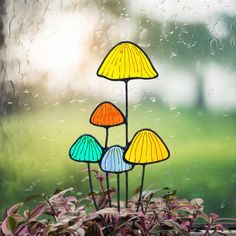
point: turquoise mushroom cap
(86, 149)
(112, 161)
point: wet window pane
(50, 52)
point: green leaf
(173, 224)
(14, 209)
(137, 190)
(160, 228)
(83, 202)
(11, 224)
(169, 195)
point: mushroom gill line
(115, 67)
(136, 62)
(108, 61)
(113, 64)
(74, 149)
(143, 63)
(151, 147)
(162, 156)
(135, 147)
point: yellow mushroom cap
(146, 147)
(126, 61)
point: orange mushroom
(107, 115)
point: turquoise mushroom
(112, 162)
(87, 149)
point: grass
(35, 143)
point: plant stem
(107, 175)
(118, 192)
(51, 207)
(91, 187)
(141, 188)
(127, 140)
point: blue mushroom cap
(112, 161)
(86, 149)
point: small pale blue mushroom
(112, 161)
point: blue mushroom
(112, 161)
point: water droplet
(232, 43)
(222, 204)
(83, 110)
(56, 104)
(213, 46)
(187, 178)
(85, 179)
(153, 99)
(143, 34)
(173, 54)
(212, 92)
(233, 178)
(177, 114)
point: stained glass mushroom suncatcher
(145, 148)
(112, 162)
(87, 149)
(107, 115)
(124, 62)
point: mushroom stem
(108, 189)
(127, 140)
(126, 111)
(91, 186)
(107, 175)
(126, 190)
(118, 192)
(141, 188)
(106, 139)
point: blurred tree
(190, 45)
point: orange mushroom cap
(107, 114)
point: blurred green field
(34, 148)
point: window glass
(50, 53)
